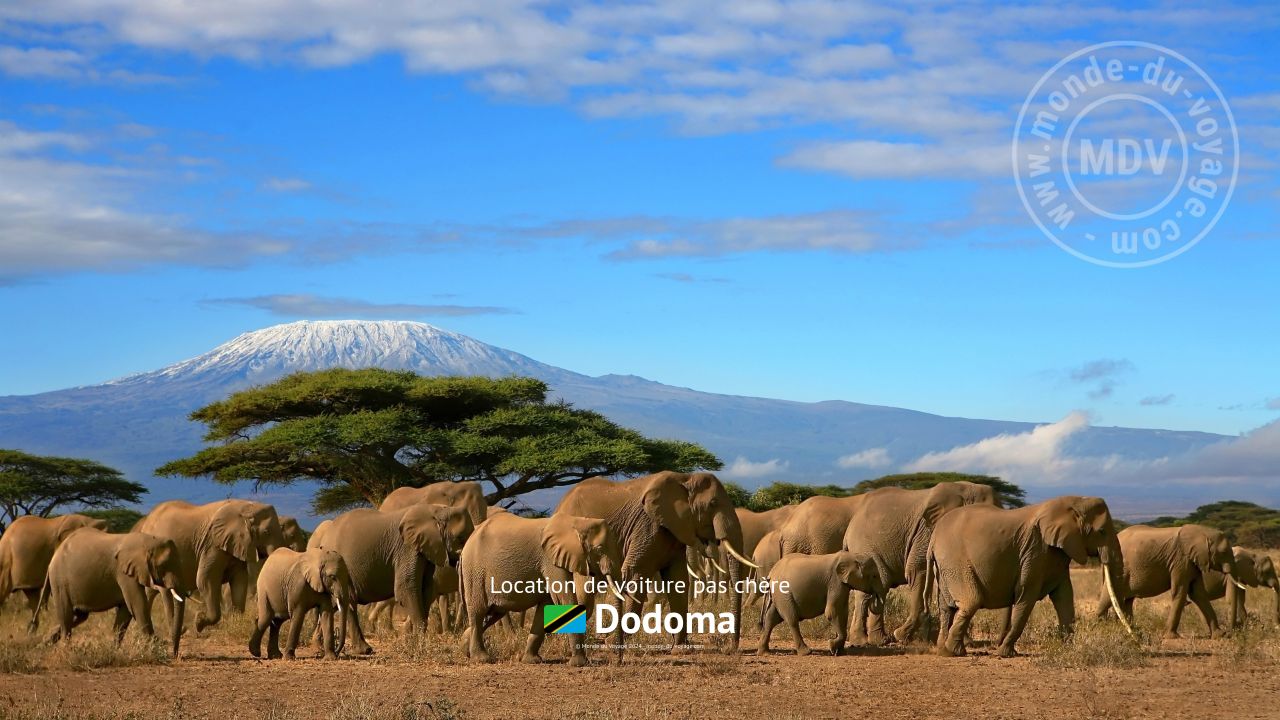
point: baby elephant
(93, 571)
(817, 585)
(290, 584)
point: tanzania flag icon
(564, 618)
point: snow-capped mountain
(139, 422)
(265, 355)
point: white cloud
(875, 159)
(746, 469)
(315, 306)
(286, 185)
(1035, 457)
(872, 458)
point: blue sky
(805, 201)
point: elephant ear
(312, 566)
(1060, 527)
(228, 530)
(1198, 548)
(423, 527)
(942, 499)
(133, 558)
(666, 500)
(850, 570)
(564, 541)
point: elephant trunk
(175, 632)
(729, 532)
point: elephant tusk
(1237, 582)
(1115, 601)
(693, 572)
(717, 566)
(635, 599)
(738, 555)
(175, 595)
(616, 592)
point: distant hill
(138, 422)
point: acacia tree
(39, 485)
(363, 433)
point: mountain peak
(264, 355)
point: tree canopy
(1245, 523)
(363, 433)
(778, 494)
(118, 519)
(39, 485)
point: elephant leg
(876, 634)
(1200, 597)
(858, 623)
(770, 619)
(1235, 605)
(951, 642)
(946, 615)
(915, 610)
(677, 573)
(135, 602)
(537, 633)
(479, 617)
(239, 582)
(260, 629)
(295, 629)
(359, 646)
(1017, 623)
(273, 640)
(326, 617)
(1063, 598)
(1004, 619)
(837, 613)
(792, 618)
(121, 623)
(1177, 600)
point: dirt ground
(1101, 674)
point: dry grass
(1097, 647)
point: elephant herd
(951, 546)
(955, 544)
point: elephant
(755, 525)
(295, 538)
(565, 549)
(1252, 570)
(467, 495)
(290, 584)
(394, 555)
(217, 543)
(1190, 561)
(767, 553)
(93, 571)
(893, 526)
(655, 517)
(817, 585)
(985, 557)
(28, 545)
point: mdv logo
(1123, 156)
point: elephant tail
(44, 597)
(929, 580)
(766, 607)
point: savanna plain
(1098, 673)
